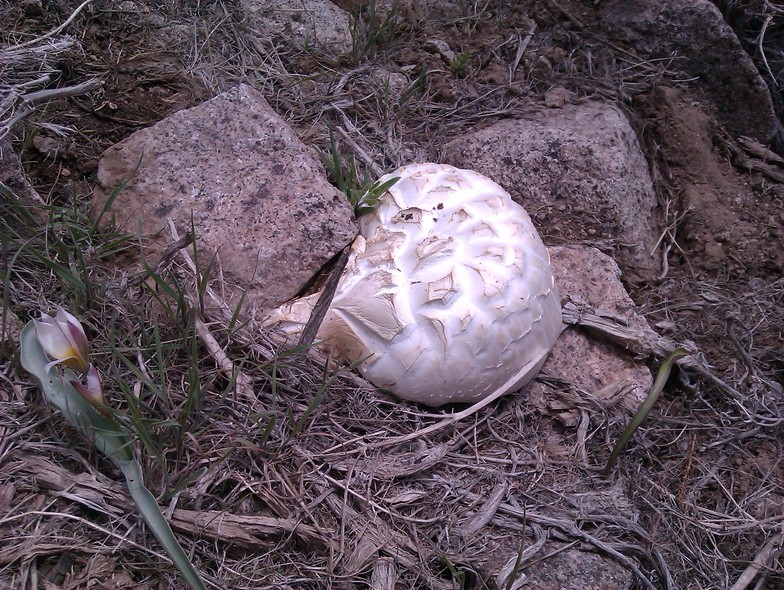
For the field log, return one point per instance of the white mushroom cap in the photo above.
(448, 293)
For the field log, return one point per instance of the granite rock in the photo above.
(578, 162)
(588, 276)
(702, 44)
(255, 193)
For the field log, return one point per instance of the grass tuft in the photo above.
(372, 32)
(363, 193)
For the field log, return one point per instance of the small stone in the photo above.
(391, 85)
(300, 24)
(556, 97)
(47, 146)
(442, 48)
(572, 569)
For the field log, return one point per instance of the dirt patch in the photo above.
(730, 221)
(727, 255)
(141, 83)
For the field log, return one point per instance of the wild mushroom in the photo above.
(447, 295)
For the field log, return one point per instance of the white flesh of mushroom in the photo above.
(448, 293)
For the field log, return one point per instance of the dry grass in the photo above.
(278, 471)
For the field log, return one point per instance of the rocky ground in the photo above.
(644, 140)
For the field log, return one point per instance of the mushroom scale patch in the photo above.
(448, 294)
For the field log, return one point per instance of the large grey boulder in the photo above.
(577, 169)
(256, 194)
(695, 33)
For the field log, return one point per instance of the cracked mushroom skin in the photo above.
(448, 295)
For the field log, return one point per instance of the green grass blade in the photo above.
(645, 408)
(81, 269)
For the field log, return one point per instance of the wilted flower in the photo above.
(92, 391)
(63, 339)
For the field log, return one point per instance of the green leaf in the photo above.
(152, 515)
(370, 200)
